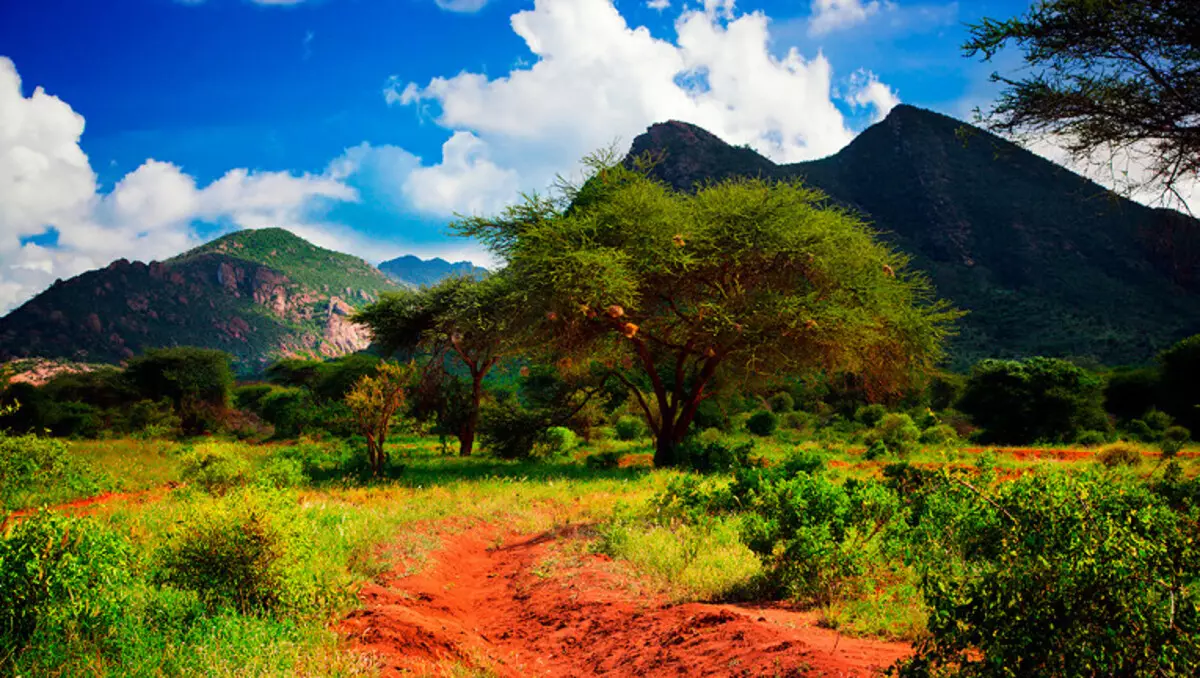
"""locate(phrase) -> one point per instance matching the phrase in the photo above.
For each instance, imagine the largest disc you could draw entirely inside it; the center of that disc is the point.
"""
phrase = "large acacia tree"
(1106, 77)
(740, 280)
(474, 321)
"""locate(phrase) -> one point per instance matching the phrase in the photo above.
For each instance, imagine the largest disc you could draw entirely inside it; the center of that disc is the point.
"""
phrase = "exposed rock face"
(341, 335)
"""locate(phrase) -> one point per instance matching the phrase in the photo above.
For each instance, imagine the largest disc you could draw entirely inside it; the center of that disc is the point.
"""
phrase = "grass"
(360, 529)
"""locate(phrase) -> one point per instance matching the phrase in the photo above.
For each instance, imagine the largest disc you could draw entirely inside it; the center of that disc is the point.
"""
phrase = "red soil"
(498, 608)
(88, 504)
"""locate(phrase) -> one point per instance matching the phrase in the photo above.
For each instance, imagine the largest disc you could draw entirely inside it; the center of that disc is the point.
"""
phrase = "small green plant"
(245, 551)
(554, 441)
(630, 428)
(1119, 454)
(782, 402)
(762, 423)
(869, 415)
(716, 456)
(875, 450)
(897, 432)
(1091, 438)
(939, 435)
(1173, 440)
(282, 472)
(215, 467)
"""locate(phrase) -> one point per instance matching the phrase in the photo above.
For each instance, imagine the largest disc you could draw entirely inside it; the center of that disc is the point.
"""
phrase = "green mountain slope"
(258, 294)
(1046, 261)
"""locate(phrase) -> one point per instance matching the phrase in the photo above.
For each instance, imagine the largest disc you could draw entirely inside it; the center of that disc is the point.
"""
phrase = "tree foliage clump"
(198, 381)
(1107, 77)
(748, 279)
(1038, 399)
(374, 401)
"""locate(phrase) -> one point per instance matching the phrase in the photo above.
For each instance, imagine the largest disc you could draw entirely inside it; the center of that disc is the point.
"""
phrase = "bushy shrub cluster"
(630, 428)
(29, 463)
(1034, 400)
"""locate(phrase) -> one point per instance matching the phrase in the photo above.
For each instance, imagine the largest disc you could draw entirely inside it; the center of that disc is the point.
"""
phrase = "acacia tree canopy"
(1106, 77)
(744, 279)
(473, 320)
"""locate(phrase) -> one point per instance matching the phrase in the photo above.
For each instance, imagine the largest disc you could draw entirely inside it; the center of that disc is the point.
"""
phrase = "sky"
(139, 128)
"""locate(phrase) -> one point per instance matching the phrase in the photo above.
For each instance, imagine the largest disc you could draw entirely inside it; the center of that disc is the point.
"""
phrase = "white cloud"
(832, 15)
(595, 80)
(868, 92)
(46, 182)
(465, 6)
(659, 5)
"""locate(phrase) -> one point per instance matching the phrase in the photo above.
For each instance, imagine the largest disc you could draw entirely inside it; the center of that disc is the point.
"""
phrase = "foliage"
(603, 459)
(29, 463)
(510, 431)
(1173, 440)
(630, 428)
(244, 550)
(671, 290)
(938, 435)
(1091, 438)
(196, 380)
(1108, 78)
(1056, 574)
(374, 400)
(554, 441)
(1037, 399)
(1181, 381)
(781, 402)
(1128, 393)
(215, 467)
(1119, 454)
(57, 577)
(869, 415)
(714, 456)
(897, 432)
(762, 423)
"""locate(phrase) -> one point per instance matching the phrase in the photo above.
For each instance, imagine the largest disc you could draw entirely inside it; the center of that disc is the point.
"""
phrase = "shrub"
(630, 428)
(1140, 430)
(897, 432)
(796, 421)
(605, 459)
(1158, 421)
(782, 402)
(1038, 399)
(716, 456)
(59, 579)
(215, 467)
(244, 551)
(713, 413)
(1091, 438)
(554, 441)
(250, 396)
(1059, 575)
(1130, 392)
(196, 380)
(869, 415)
(1119, 454)
(30, 462)
(510, 431)
(1180, 385)
(1173, 440)
(762, 423)
(939, 434)
(290, 410)
(875, 450)
(282, 472)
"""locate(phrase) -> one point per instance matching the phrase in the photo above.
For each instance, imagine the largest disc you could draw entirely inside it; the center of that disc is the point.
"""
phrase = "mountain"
(1046, 262)
(413, 271)
(258, 294)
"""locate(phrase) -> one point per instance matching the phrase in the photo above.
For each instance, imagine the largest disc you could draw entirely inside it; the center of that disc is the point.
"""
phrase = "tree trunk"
(665, 448)
(466, 439)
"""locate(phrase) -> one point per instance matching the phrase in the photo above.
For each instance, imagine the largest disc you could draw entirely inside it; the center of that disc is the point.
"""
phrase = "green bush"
(30, 463)
(1038, 399)
(290, 410)
(1180, 381)
(939, 434)
(1091, 438)
(762, 423)
(510, 431)
(782, 402)
(1140, 430)
(797, 421)
(246, 551)
(249, 397)
(875, 450)
(1119, 454)
(869, 415)
(1173, 440)
(59, 581)
(605, 459)
(1058, 575)
(198, 381)
(897, 432)
(282, 472)
(215, 467)
(555, 440)
(713, 413)
(714, 456)
(630, 428)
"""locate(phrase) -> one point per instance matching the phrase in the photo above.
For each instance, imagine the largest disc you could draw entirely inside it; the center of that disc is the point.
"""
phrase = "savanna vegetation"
(733, 395)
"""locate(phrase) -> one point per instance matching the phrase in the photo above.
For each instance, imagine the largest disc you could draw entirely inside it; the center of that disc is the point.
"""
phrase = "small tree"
(745, 279)
(1039, 399)
(197, 380)
(374, 400)
(469, 319)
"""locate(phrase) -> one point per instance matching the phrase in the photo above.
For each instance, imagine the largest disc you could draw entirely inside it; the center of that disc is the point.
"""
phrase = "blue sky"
(366, 124)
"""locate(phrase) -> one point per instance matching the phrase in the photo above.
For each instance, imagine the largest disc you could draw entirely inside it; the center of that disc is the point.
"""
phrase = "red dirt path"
(497, 608)
(86, 504)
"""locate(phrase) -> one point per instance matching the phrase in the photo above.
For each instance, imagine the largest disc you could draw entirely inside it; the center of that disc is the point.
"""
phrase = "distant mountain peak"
(413, 271)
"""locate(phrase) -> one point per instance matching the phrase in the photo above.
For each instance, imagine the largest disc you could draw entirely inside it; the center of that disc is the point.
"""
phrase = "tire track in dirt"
(489, 604)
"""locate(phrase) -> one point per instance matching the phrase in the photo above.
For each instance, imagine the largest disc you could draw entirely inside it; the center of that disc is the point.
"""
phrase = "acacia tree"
(468, 318)
(1105, 76)
(743, 279)
(374, 400)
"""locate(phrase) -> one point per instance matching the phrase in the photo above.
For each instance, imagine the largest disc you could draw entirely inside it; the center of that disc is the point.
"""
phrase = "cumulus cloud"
(48, 188)
(595, 79)
(659, 5)
(867, 92)
(465, 6)
(832, 15)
